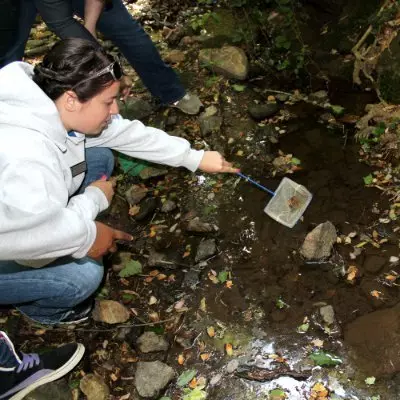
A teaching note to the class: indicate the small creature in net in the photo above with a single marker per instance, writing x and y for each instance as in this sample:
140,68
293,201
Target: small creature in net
294,202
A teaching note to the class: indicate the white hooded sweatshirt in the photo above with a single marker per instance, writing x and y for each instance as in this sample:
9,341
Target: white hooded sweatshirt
41,168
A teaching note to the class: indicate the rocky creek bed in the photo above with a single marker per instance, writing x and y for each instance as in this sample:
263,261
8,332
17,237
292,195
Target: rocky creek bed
216,300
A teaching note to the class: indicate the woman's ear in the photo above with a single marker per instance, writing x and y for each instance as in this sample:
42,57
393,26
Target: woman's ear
71,101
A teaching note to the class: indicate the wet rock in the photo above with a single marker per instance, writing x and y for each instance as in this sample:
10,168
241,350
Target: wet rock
209,125
206,249
147,208
319,97
232,366
262,111
319,242
152,172
375,341
135,108
168,206
327,314
94,387
209,112
229,61
175,57
152,377
196,225
282,97
374,263
150,342
155,258
191,278
110,312
135,194
59,390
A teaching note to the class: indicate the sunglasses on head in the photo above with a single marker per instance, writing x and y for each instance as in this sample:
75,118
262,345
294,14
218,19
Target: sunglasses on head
114,69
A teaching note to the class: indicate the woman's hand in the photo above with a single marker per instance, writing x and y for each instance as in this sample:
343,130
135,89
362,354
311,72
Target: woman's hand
214,162
105,240
106,186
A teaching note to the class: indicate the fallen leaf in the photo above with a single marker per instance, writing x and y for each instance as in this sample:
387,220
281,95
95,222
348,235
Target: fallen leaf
185,377
154,273
131,268
318,342
325,359
211,331
193,383
319,392
179,305
181,359
161,277
154,317
134,210
152,300
370,380
205,356
229,349
376,293
229,284
352,273
203,305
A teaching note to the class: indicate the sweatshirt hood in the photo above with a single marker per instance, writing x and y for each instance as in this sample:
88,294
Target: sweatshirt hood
23,104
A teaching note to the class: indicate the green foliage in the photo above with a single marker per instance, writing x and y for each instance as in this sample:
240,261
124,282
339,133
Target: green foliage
198,22
186,377
377,132
131,268
325,359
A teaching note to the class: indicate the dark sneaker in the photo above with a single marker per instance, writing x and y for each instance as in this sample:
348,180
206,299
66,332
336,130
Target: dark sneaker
78,314
21,373
189,104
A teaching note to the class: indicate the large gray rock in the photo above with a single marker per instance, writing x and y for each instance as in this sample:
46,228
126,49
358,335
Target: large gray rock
135,194
229,61
375,341
207,248
151,342
135,108
262,111
94,387
152,377
319,242
55,390
211,124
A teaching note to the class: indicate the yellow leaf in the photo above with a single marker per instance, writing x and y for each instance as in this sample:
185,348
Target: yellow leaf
229,284
239,153
203,305
205,356
148,279
211,331
154,272
271,98
391,278
152,234
154,317
229,349
375,235
161,277
352,272
181,359
361,244
186,254
318,343
376,294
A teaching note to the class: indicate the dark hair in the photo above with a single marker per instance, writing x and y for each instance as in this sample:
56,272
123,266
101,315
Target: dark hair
69,62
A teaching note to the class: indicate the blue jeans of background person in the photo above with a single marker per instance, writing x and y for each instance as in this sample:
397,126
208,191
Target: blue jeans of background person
115,24
47,294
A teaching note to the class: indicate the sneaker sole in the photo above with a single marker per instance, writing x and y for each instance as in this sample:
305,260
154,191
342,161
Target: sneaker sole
53,376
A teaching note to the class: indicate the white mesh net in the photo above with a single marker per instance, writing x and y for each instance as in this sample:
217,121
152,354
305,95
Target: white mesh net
289,203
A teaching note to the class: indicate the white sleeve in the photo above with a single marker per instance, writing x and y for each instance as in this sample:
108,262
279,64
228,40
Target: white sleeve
37,221
139,141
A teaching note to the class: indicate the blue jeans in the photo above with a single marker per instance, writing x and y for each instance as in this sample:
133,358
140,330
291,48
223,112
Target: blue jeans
115,24
47,294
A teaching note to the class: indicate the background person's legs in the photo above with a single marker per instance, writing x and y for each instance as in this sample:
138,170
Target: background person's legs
16,20
58,16
136,45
